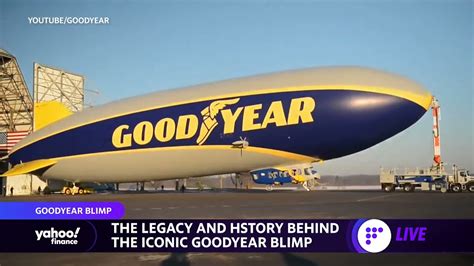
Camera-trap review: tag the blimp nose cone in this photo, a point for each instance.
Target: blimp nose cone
(360, 119)
(376, 99)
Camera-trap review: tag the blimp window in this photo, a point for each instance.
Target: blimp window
(262, 174)
(255, 176)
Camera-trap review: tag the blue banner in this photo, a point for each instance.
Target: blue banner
(61, 210)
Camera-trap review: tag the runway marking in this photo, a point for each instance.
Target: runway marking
(172, 208)
(137, 209)
(156, 208)
(374, 198)
(153, 257)
(225, 206)
(304, 202)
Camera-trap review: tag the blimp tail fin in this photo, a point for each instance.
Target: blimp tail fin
(49, 112)
(29, 167)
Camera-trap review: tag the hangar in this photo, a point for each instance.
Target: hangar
(16, 117)
(18, 108)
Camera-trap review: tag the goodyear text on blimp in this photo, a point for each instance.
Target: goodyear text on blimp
(189, 126)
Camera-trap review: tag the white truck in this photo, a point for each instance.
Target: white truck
(434, 178)
(427, 179)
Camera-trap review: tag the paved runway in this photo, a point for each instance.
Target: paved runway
(283, 204)
(263, 204)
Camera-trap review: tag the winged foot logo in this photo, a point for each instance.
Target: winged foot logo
(209, 121)
(186, 126)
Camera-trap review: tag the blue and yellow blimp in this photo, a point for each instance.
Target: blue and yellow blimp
(237, 125)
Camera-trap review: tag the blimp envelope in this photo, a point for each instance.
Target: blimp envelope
(299, 116)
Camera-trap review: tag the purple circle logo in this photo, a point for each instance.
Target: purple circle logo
(374, 236)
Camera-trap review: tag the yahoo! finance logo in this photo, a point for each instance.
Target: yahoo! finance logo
(371, 236)
(58, 237)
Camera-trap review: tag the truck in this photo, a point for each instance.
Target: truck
(430, 179)
(433, 178)
(68, 190)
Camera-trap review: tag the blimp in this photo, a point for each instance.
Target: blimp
(263, 124)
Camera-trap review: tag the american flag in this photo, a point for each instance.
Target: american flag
(10, 139)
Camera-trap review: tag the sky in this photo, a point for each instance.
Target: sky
(155, 45)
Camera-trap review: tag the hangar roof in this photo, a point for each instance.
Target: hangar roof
(16, 105)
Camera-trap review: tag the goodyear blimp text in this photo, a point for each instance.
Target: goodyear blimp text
(187, 126)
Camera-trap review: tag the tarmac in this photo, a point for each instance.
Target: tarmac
(258, 204)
